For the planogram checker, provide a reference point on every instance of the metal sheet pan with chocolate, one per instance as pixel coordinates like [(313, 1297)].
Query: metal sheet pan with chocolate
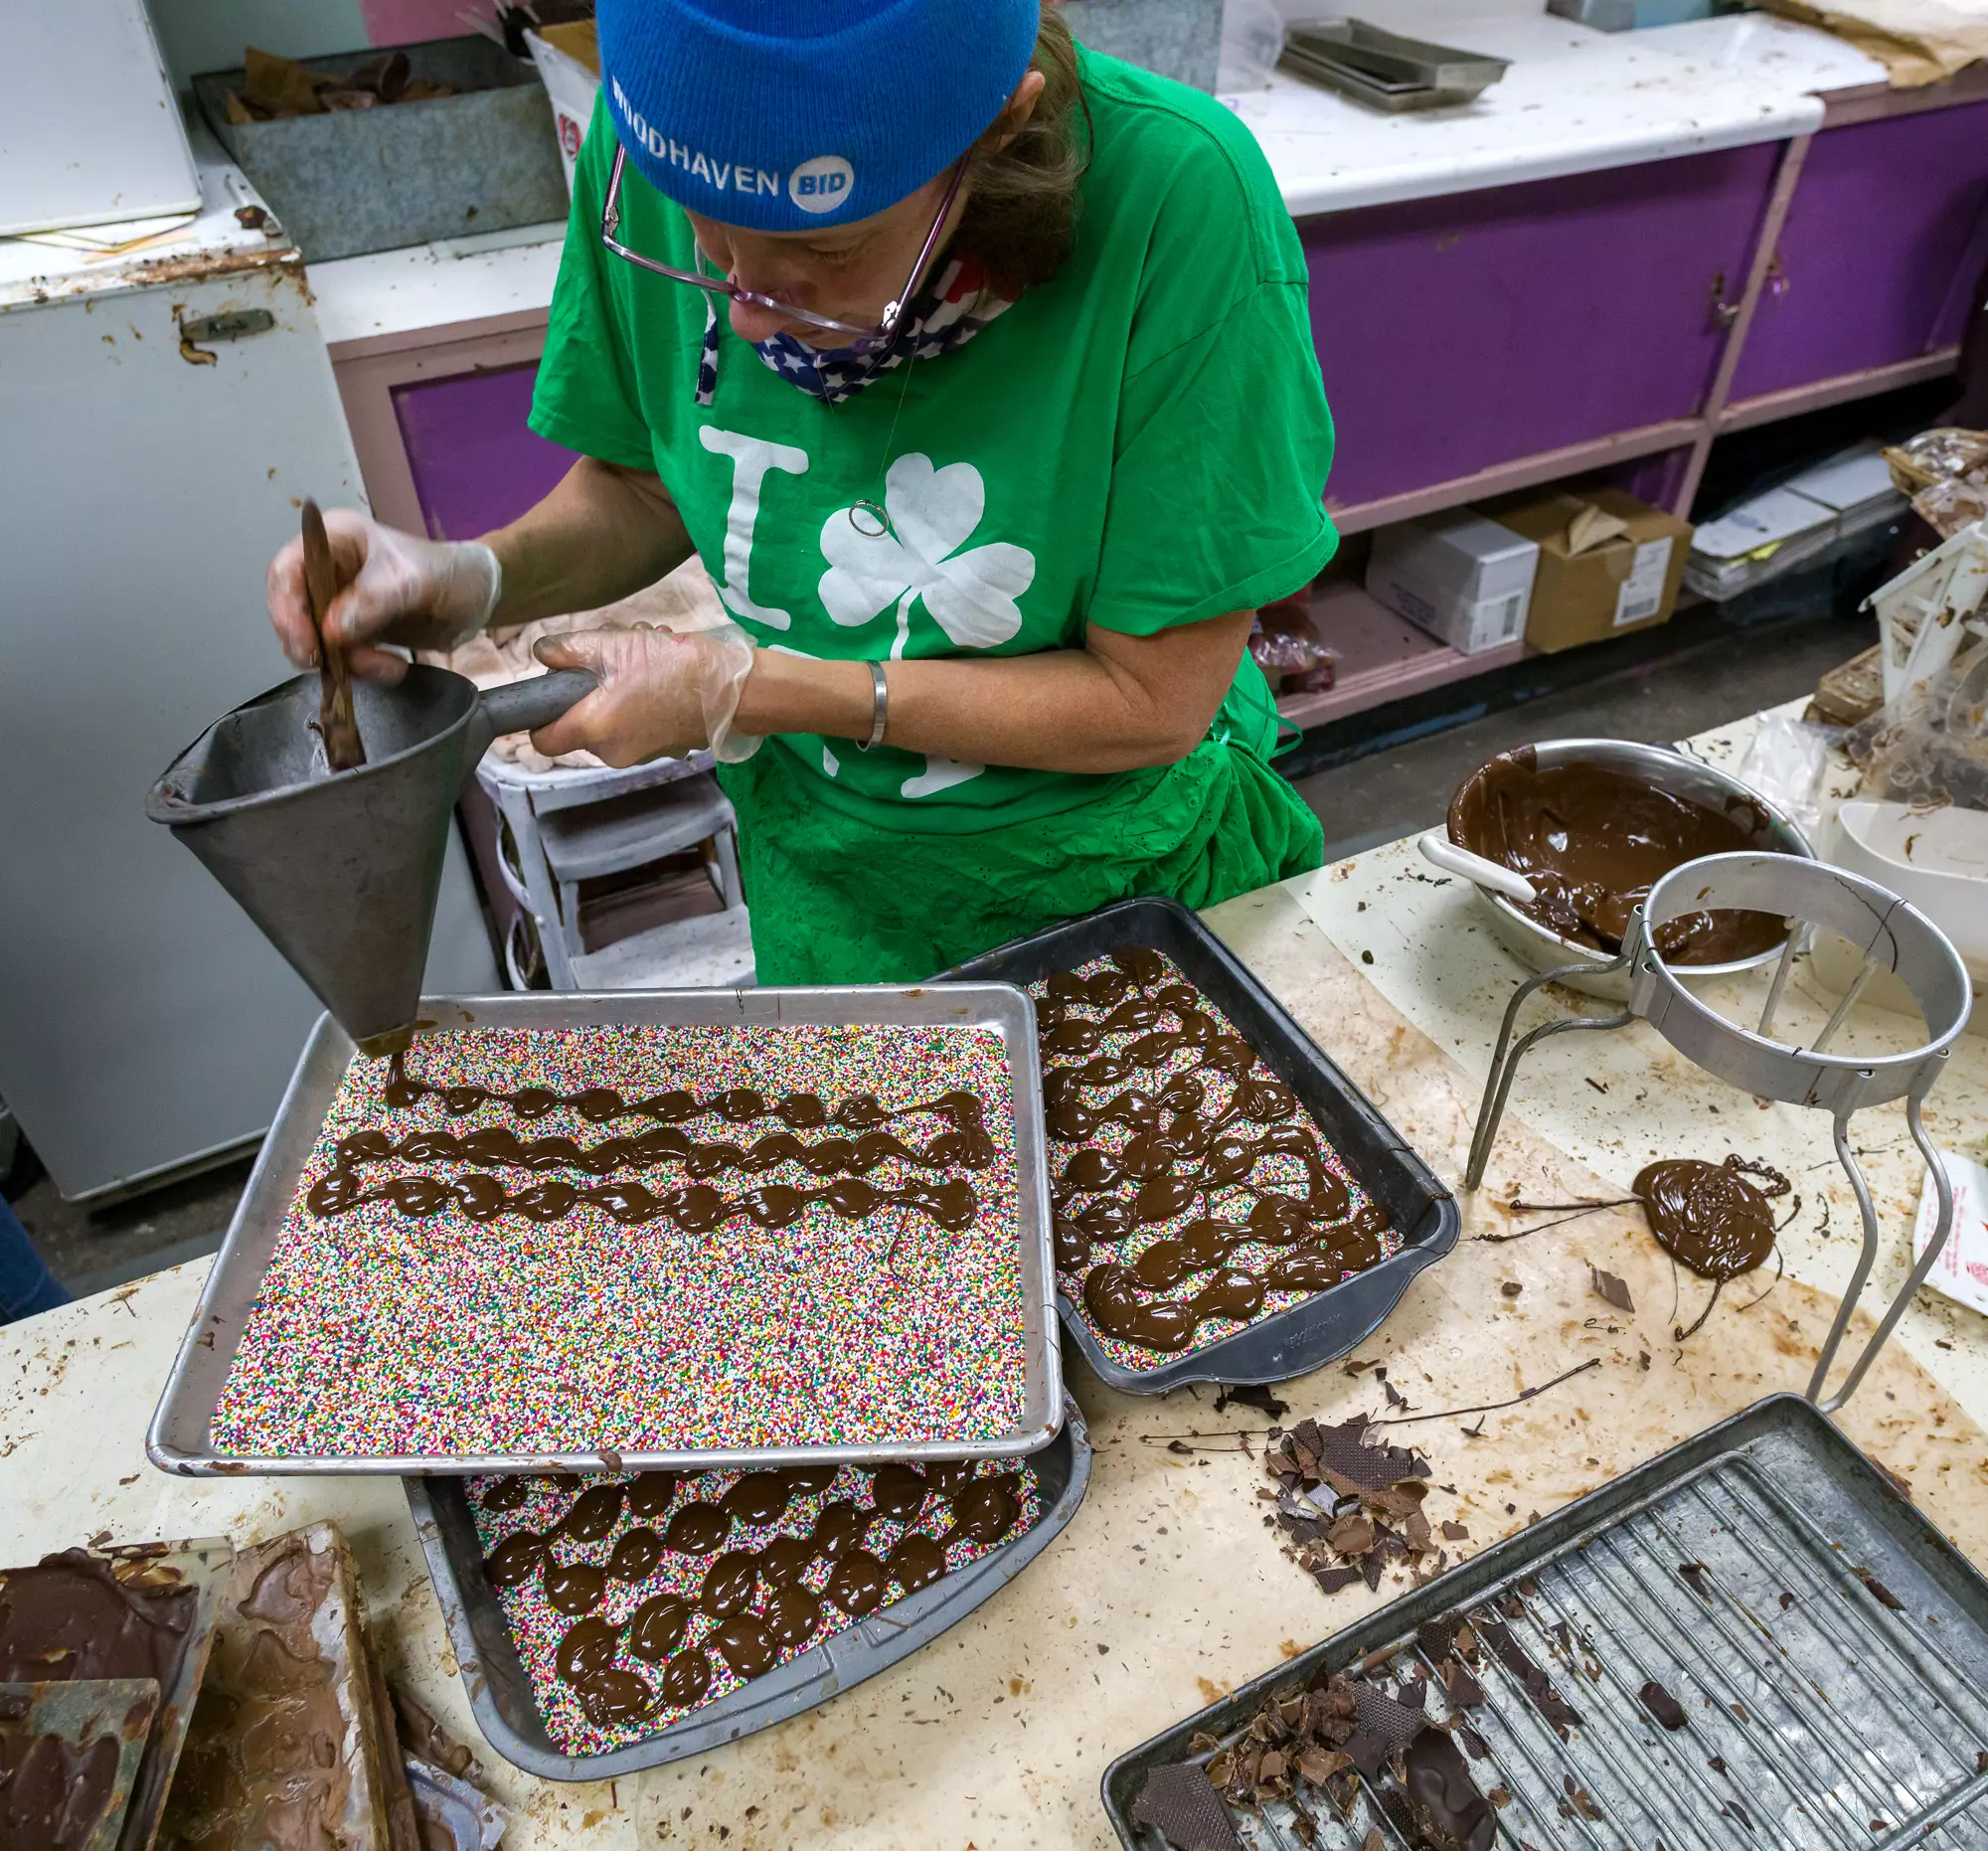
[(1228, 1206)]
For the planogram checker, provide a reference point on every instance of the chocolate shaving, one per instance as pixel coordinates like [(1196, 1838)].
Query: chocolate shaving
[(1537, 1686), (1179, 1802), (1695, 1574), (1252, 1395), (1879, 1593), (1662, 1705), (1464, 1690), (1609, 1286)]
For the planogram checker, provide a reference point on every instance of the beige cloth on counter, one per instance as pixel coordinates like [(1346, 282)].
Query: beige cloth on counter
[(685, 600), (1916, 40)]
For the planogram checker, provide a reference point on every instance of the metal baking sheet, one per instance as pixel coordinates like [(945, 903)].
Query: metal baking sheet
[(1835, 1676), (1325, 1326), (180, 1439), (500, 1689)]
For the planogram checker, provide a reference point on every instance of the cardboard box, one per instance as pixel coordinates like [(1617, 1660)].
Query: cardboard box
[(1609, 563), (1458, 576)]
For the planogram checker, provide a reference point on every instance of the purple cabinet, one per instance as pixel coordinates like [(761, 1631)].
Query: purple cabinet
[(1460, 333), (475, 463), (1887, 232)]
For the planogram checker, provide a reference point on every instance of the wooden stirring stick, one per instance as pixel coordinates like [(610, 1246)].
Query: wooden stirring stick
[(343, 749)]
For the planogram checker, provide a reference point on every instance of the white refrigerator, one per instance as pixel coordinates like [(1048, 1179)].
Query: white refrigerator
[(162, 414)]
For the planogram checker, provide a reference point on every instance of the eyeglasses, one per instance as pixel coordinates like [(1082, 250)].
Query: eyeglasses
[(874, 335)]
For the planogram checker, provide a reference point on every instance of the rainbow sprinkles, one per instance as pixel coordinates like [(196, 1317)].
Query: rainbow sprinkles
[(642, 1238)]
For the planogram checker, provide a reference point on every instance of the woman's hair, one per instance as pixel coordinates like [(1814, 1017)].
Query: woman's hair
[(1022, 200)]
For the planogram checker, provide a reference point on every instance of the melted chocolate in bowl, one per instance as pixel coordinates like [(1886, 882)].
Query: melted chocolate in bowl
[(1594, 841), (635, 1604), (1165, 1122)]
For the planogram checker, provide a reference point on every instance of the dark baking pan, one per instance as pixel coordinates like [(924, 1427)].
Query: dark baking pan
[(1833, 1674), (500, 1692), (1330, 1323)]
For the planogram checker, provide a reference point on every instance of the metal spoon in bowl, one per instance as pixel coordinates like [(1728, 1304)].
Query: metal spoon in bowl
[(1437, 847)]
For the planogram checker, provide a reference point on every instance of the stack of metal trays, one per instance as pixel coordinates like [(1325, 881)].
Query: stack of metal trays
[(1327, 1325), (1383, 68), (1827, 1648), (500, 1690)]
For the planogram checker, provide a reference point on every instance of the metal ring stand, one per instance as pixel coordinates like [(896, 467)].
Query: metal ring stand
[(1894, 936)]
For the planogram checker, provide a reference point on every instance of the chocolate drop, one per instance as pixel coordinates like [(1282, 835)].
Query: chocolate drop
[(508, 1494), (637, 1554), (649, 1495), (857, 1583), (916, 1562), (1116, 1309), (614, 1696), (686, 1678), (839, 1529), (986, 1510), (759, 1497), (746, 1645), (659, 1627), (573, 1587), (514, 1560), (899, 1492), (590, 1645), (594, 1513), (785, 1560), (729, 1583), (790, 1615), (697, 1529)]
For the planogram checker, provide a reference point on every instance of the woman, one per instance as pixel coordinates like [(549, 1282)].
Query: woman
[(976, 366)]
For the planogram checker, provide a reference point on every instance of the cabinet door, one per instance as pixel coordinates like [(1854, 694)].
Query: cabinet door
[(1886, 234), (475, 461), (1461, 333)]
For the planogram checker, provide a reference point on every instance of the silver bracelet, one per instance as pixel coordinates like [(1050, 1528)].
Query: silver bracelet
[(879, 711)]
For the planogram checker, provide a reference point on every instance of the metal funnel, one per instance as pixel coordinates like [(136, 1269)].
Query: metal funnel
[(340, 869)]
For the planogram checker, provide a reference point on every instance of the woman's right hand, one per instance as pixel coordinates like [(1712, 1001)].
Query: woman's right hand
[(393, 588)]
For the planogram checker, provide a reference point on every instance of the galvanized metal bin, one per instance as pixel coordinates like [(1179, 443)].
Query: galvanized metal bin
[(358, 180)]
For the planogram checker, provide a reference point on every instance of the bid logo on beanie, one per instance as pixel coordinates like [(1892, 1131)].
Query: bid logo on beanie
[(822, 184)]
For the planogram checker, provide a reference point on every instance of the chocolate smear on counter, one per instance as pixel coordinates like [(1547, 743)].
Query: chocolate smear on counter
[(72, 1617), (1662, 1705), (1178, 1802), (1707, 1215), (1594, 841)]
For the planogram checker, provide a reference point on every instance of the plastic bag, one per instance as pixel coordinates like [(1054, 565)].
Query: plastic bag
[(1253, 40), (1785, 762), (1931, 745)]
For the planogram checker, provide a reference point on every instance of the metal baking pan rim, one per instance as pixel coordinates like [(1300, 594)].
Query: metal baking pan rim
[(214, 1330), (788, 1691), (1392, 1627), (1223, 1361)]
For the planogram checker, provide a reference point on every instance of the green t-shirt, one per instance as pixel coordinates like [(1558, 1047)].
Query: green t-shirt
[(1140, 441)]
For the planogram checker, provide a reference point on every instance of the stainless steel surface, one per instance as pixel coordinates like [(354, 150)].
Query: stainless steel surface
[(341, 870), (1820, 1717), (179, 1439), (1892, 934), (1384, 68), (358, 180), (1580, 967)]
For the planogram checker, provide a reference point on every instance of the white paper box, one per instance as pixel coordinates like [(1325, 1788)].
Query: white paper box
[(1961, 1272)]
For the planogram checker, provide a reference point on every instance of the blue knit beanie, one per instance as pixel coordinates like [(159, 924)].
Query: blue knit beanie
[(783, 116)]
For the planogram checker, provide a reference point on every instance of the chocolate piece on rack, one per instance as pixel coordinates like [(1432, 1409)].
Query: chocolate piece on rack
[(1662, 1705), (1537, 1686), (53, 1793), (1449, 1812), (1178, 1802), (1385, 1726)]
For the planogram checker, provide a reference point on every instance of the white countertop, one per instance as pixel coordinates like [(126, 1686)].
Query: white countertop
[(1574, 100)]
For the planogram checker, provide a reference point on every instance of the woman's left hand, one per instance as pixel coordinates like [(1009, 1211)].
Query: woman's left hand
[(662, 693)]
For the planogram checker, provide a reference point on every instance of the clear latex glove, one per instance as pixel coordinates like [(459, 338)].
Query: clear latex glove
[(662, 694), (393, 588)]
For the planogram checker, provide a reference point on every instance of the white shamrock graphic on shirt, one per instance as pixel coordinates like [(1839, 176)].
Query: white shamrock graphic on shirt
[(933, 512)]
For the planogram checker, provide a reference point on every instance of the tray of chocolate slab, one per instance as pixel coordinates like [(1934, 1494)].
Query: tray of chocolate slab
[(1228, 1207), (608, 1624), (101, 1650), (1751, 1641), (675, 1229)]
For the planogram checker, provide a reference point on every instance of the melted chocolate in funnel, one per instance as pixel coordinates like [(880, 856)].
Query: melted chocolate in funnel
[(1593, 842)]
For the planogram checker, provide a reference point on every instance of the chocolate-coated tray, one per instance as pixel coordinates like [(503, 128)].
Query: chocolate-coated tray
[(1833, 1674), (180, 1439), (1295, 1341), (500, 1690)]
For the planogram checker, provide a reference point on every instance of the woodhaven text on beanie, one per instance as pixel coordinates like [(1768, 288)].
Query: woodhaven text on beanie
[(781, 115)]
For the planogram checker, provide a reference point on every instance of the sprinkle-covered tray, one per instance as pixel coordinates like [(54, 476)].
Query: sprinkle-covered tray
[(1394, 1216), (500, 1683), (681, 1229)]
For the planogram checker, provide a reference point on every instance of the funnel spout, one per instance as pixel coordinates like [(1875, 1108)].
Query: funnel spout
[(522, 707)]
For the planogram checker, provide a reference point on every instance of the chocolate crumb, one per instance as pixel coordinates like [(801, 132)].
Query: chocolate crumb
[(1511, 1288), (1787, 1600), (1662, 1705), (1879, 1593), (1717, 1763), (1611, 1287), (1454, 1531), (1695, 1574)]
